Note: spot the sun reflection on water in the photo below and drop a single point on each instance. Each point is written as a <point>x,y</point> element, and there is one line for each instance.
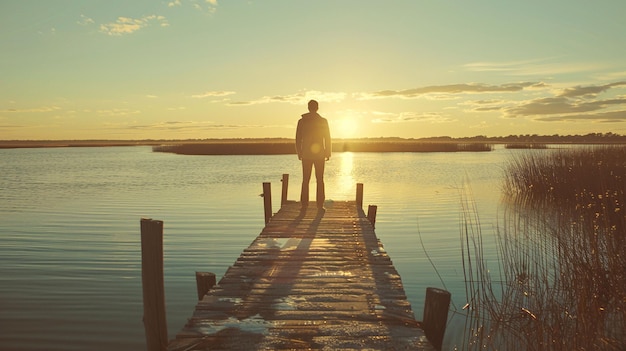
<point>345,182</point>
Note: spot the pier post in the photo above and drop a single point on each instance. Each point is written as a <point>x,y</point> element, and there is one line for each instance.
<point>359,196</point>
<point>371,214</point>
<point>267,201</point>
<point>204,282</point>
<point>285,181</point>
<point>436,307</point>
<point>154,318</point>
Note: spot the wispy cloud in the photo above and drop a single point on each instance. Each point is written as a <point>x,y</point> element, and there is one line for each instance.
<point>12,126</point>
<point>118,112</point>
<point>212,94</point>
<point>602,117</point>
<point>537,67</point>
<point>127,25</point>
<point>510,66</point>
<point>403,117</point>
<point>201,5</point>
<point>41,109</point>
<point>187,126</point>
<point>464,88</point>
<point>486,105</point>
<point>85,21</point>
<point>296,99</point>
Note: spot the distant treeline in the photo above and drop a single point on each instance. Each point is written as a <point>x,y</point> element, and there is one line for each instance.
<point>590,138</point>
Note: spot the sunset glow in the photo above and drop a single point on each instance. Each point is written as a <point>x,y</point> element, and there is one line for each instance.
<point>346,128</point>
<point>232,69</point>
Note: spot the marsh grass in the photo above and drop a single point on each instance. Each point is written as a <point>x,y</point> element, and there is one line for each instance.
<point>286,147</point>
<point>562,252</point>
<point>526,146</point>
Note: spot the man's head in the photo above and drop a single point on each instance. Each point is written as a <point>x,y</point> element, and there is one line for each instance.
<point>313,106</point>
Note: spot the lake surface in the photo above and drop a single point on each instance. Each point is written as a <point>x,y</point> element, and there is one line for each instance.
<point>70,256</point>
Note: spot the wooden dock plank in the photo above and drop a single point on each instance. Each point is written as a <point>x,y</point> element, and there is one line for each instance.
<point>310,281</point>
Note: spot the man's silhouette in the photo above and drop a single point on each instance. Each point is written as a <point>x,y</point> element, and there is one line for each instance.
<point>314,147</point>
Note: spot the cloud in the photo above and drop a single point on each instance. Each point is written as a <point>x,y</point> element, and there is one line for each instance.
<point>560,105</point>
<point>201,5</point>
<point>604,117</point>
<point>535,67</point>
<point>212,94</point>
<point>118,112</point>
<point>126,25</point>
<point>486,105</point>
<point>589,90</point>
<point>187,126</point>
<point>511,66</point>
<point>463,88</point>
<point>403,117</point>
<point>569,104</point>
<point>612,75</point>
<point>42,109</point>
<point>85,21</point>
<point>295,99</point>
<point>12,126</point>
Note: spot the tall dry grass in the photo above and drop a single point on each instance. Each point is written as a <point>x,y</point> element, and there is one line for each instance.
<point>562,247</point>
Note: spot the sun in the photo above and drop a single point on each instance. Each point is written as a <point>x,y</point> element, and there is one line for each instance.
<point>345,127</point>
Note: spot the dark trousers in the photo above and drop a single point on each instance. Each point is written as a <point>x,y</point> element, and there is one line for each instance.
<point>307,168</point>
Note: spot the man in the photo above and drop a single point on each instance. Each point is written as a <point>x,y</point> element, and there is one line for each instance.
<point>314,147</point>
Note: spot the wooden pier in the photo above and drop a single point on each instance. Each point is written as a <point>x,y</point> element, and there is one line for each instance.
<point>312,280</point>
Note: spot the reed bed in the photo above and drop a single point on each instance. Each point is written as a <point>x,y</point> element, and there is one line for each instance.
<point>526,146</point>
<point>287,147</point>
<point>562,247</point>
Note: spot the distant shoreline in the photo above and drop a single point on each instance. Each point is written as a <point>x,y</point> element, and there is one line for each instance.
<point>286,145</point>
<point>22,144</point>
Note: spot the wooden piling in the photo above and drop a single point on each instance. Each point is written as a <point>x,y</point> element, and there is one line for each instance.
<point>154,318</point>
<point>436,307</point>
<point>285,181</point>
<point>204,282</point>
<point>267,201</point>
<point>359,196</point>
<point>371,214</point>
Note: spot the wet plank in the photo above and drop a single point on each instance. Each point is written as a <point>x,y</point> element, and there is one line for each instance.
<point>310,281</point>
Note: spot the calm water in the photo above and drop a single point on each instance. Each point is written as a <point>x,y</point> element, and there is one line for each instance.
<point>70,274</point>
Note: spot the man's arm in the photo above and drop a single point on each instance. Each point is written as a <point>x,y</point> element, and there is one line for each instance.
<point>328,145</point>
<point>299,140</point>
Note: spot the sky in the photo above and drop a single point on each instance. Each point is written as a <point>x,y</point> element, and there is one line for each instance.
<point>196,69</point>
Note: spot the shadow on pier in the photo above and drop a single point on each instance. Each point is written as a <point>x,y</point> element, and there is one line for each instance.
<point>311,280</point>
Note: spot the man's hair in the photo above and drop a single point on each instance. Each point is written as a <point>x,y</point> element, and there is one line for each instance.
<point>313,106</point>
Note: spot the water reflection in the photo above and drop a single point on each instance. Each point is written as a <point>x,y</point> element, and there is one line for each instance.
<point>344,179</point>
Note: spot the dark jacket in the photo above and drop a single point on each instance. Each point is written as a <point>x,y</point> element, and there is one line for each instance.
<point>313,137</point>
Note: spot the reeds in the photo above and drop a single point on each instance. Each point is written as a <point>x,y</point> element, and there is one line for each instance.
<point>526,146</point>
<point>286,147</point>
<point>562,256</point>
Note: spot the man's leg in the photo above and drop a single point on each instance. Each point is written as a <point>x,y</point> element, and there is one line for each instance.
<point>319,177</point>
<point>307,167</point>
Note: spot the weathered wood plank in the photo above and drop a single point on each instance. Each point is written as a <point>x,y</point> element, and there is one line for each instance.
<point>310,280</point>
